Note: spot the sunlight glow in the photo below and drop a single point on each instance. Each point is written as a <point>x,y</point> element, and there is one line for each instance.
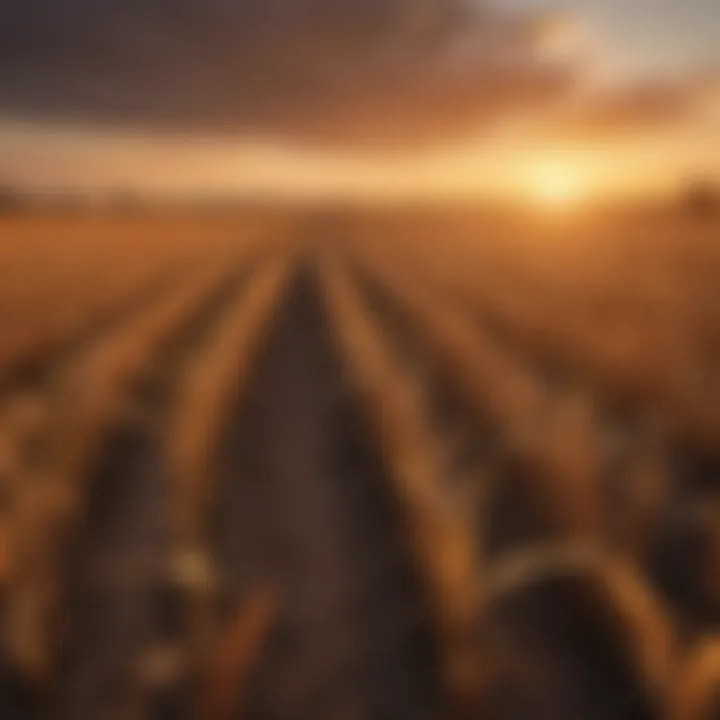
<point>557,187</point>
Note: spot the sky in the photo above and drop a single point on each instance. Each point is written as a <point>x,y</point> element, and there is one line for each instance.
<point>359,97</point>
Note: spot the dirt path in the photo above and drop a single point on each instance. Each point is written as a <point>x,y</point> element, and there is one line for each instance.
<point>304,508</point>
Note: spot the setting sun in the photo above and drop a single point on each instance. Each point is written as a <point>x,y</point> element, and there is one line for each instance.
<point>556,187</point>
<point>558,192</point>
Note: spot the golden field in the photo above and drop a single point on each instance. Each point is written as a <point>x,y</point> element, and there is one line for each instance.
<point>359,463</point>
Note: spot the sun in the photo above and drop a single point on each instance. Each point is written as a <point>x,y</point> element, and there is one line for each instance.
<point>558,192</point>
<point>556,187</point>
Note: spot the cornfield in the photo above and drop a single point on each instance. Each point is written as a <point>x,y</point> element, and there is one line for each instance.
<point>363,465</point>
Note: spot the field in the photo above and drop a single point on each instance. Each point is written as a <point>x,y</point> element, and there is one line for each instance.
<point>396,464</point>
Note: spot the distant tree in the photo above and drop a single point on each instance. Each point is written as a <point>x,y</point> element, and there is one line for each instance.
<point>702,198</point>
<point>11,200</point>
<point>125,201</point>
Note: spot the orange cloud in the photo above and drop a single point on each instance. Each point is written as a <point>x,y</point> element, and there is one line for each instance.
<point>638,109</point>
<point>560,36</point>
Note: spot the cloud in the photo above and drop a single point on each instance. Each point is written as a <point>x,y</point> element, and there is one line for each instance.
<point>644,107</point>
<point>559,35</point>
<point>359,71</point>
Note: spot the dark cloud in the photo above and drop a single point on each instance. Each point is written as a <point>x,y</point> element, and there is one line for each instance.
<point>332,70</point>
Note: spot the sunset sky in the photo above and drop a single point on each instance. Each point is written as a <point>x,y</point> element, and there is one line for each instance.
<point>360,97</point>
